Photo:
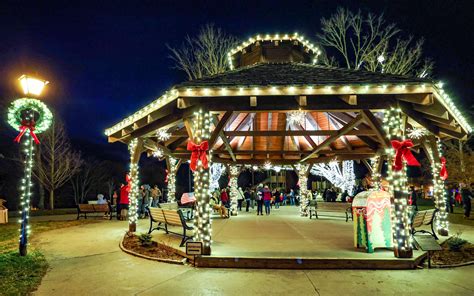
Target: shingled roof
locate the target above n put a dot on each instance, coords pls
(296, 74)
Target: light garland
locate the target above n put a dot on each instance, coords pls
(449, 104)
(172, 170)
(163, 135)
(216, 173)
(442, 224)
(234, 194)
(276, 37)
(401, 232)
(416, 133)
(18, 106)
(296, 117)
(202, 221)
(303, 180)
(376, 176)
(134, 187)
(345, 179)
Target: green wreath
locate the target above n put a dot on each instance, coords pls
(17, 107)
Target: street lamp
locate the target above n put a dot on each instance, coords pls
(29, 117)
(32, 86)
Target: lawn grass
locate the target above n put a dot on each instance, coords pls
(22, 275)
(457, 217)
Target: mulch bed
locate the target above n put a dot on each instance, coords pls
(448, 257)
(156, 250)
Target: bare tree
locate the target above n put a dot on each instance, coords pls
(459, 162)
(368, 42)
(57, 162)
(205, 54)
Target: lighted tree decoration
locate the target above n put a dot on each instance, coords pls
(345, 179)
(30, 117)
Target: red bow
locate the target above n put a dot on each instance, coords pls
(443, 172)
(403, 151)
(27, 125)
(199, 152)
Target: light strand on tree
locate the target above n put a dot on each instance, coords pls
(25, 190)
(134, 185)
(376, 176)
(216, 173)
(401, 233)
(202, 221)
(345, 179)
(172, 170)
(442, 224)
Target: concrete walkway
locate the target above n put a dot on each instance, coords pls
(86, 260)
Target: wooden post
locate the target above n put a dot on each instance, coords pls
(172, 165)
(303, 171)
(136, 148)
(202, 221)
(234, 194)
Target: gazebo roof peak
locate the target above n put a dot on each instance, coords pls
(273, 48)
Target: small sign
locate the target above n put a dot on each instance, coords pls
(194, 248)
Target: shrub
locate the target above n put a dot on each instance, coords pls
(455, 243)
(145, 240)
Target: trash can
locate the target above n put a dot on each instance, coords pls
(372, 220)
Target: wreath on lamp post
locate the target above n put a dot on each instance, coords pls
(29, 114)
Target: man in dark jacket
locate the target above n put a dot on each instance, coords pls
(466, 196)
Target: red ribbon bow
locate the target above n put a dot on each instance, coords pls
(403, 151)
(199, 152)
(27, 125)
(443, 172)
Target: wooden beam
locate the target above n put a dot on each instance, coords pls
(290, 152)
(189, 128)
(349, 99)
(291, 161)
(215, 133)
(375, 125)
(421, 99)
(282, 133)
(302, 101)
(435, 109)
(418, 118)
(224, 138)
(353, 123)
(253, 101)
(153, 145)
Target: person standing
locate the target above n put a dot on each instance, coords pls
(267, 199)
(277, 199)
(466, 196)
(248, 198)
(155, 195)
(259, 198)
(292, 197)
(124, 191)
(225, 198)
(240, 199)
(448, 195)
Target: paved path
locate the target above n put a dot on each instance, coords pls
(86, 260)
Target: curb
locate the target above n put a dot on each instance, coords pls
(453, 265)
(179, 262)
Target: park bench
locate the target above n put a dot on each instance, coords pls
(424, 218)
(316, 208)
(167, 218)
(84, 209)
(187, 210)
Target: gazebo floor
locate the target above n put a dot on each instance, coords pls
(286, 240)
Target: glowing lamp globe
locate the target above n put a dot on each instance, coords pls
(32, 86)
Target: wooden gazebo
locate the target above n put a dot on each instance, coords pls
(278, 106)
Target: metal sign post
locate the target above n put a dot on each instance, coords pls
(195, 249)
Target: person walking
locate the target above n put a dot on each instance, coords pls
(466, 196)
(259, 198)
(412, 198)
(277, 199)
(124, 191)
(448, 195)
(225, 198)
(248, 198)
(267, 199)
(292, 197)
(240, 199)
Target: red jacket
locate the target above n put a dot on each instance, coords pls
(124, 191)
(267, 195)
(224, 197)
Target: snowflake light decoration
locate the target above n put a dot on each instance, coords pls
(297, 117)
(267, 165)
(163, 134)
(158, 153)
(416, 133)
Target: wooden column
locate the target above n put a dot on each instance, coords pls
(234, 171)
(136, 148)
(401, 232)
(202, 218)
(303, 171)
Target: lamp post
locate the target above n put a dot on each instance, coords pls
(29, 116)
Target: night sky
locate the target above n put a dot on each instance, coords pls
(106, 59)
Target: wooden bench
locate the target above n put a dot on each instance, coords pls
(424, 218)
(84, 209)
(168, 218)
(316, 208)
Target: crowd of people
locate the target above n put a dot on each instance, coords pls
(461, 196)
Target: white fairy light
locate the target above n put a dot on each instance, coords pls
(345, 179)
(267, 165)
(158, 153)
(216, 173)
(163, 135)
(296, 117)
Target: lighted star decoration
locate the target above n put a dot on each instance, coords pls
(158, 153)
(297, 117)
(416, 133)
(163, 135)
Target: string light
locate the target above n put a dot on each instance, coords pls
(303, 180)
(416, 133)
(216, 172)
(134, 190)
(173, 168)
(345, 179)
(267, 166)
(296, 117)
(158, 153)
(234, 194)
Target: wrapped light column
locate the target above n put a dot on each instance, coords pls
(134, 149)
(172, 169)
(377, 162)
(303, 180)
(25, 196)
(202, 221)
(234, 194)
(402, 239)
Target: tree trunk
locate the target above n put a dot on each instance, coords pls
(51, 200)
(41, 196)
